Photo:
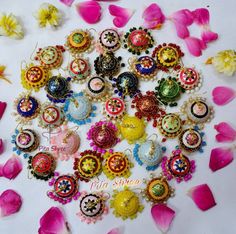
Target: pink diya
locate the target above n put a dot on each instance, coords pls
(66, 143)
(103, 135)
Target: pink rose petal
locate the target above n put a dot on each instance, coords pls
(194, 46)
(3, 106)
(209, 36)
(115, 231)
(225, 132)
(202, 197)
(1, 146)
(184, 17)
(12, 168)
(162, 216)
(220, 158)
(90, 11)
(67, 2)
(201, 16)
(223, 95)
(53, 222)
(122, 15)
(10, 203)
(153, 16)
(182, 30)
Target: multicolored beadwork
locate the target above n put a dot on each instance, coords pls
(108, 65)
(126, 204)
(144, 67)
(138, 40)
(50, 57)
(167, 56)
(178, 166)
(168, 91)
(126, 84)
(114, 108)
(58, 89)
(78, 109)
(51, 116)
(88, 165)
(25, 141)
(147, 106)
(65, 188)
(103, 136)
(79, 41)
(116, 164)
(42, 166)
(170, 125)
(79, 69)
(92, 207)
(34, 77)
(157, 190)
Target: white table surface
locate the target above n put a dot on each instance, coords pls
(189, 219)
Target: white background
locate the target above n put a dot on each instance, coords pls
(189, 219)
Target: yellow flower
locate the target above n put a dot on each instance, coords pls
(2, 75)
(10, 26)
(224, 62)
(48, 15)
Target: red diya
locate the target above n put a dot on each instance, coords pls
(103, 135)
(167, 56)
(42, 165)
(147, 106)
(50, 57)
(88, 165)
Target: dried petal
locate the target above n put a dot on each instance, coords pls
(12, 168)
(220, 158)
(10, 203)
(184, 17)
(195, 46)
(182, 30)
(3, 106)
(115, 231)
(223, 95)
(90, 11)
(209, 36)
(162, 216)
(226, 132)
(201, 16)
(122, 15)
(202, 197)
(53, 222)
(67, 2)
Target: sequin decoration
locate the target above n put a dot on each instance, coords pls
(168, 91)
(138, 40)
(147, 106)
(65, 188)
(58, 89)
(92, 207)
(67, 142)
(42, 166)
(51, 116)
(178, 166)
(126, 84)
(88, 165)
(170, 125)
(97, 89)
(116, 164)
(126, 204)
(50, 57)
(25, 141)
(132, 129)
(79, 69)
(108, 65)
(144, 67)
(103, 136)
(79, 41)
(27, 108)
(167, 56)
(114, 108)
(79, 110)
(157, 190)
(34, 77)
(109, 40)
(197, 111)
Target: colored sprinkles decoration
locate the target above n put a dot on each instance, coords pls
(103, 136)
(88, 165)
(138, 40)
(147, 106)
(92, 207)
(65, 188)
(178, 166)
